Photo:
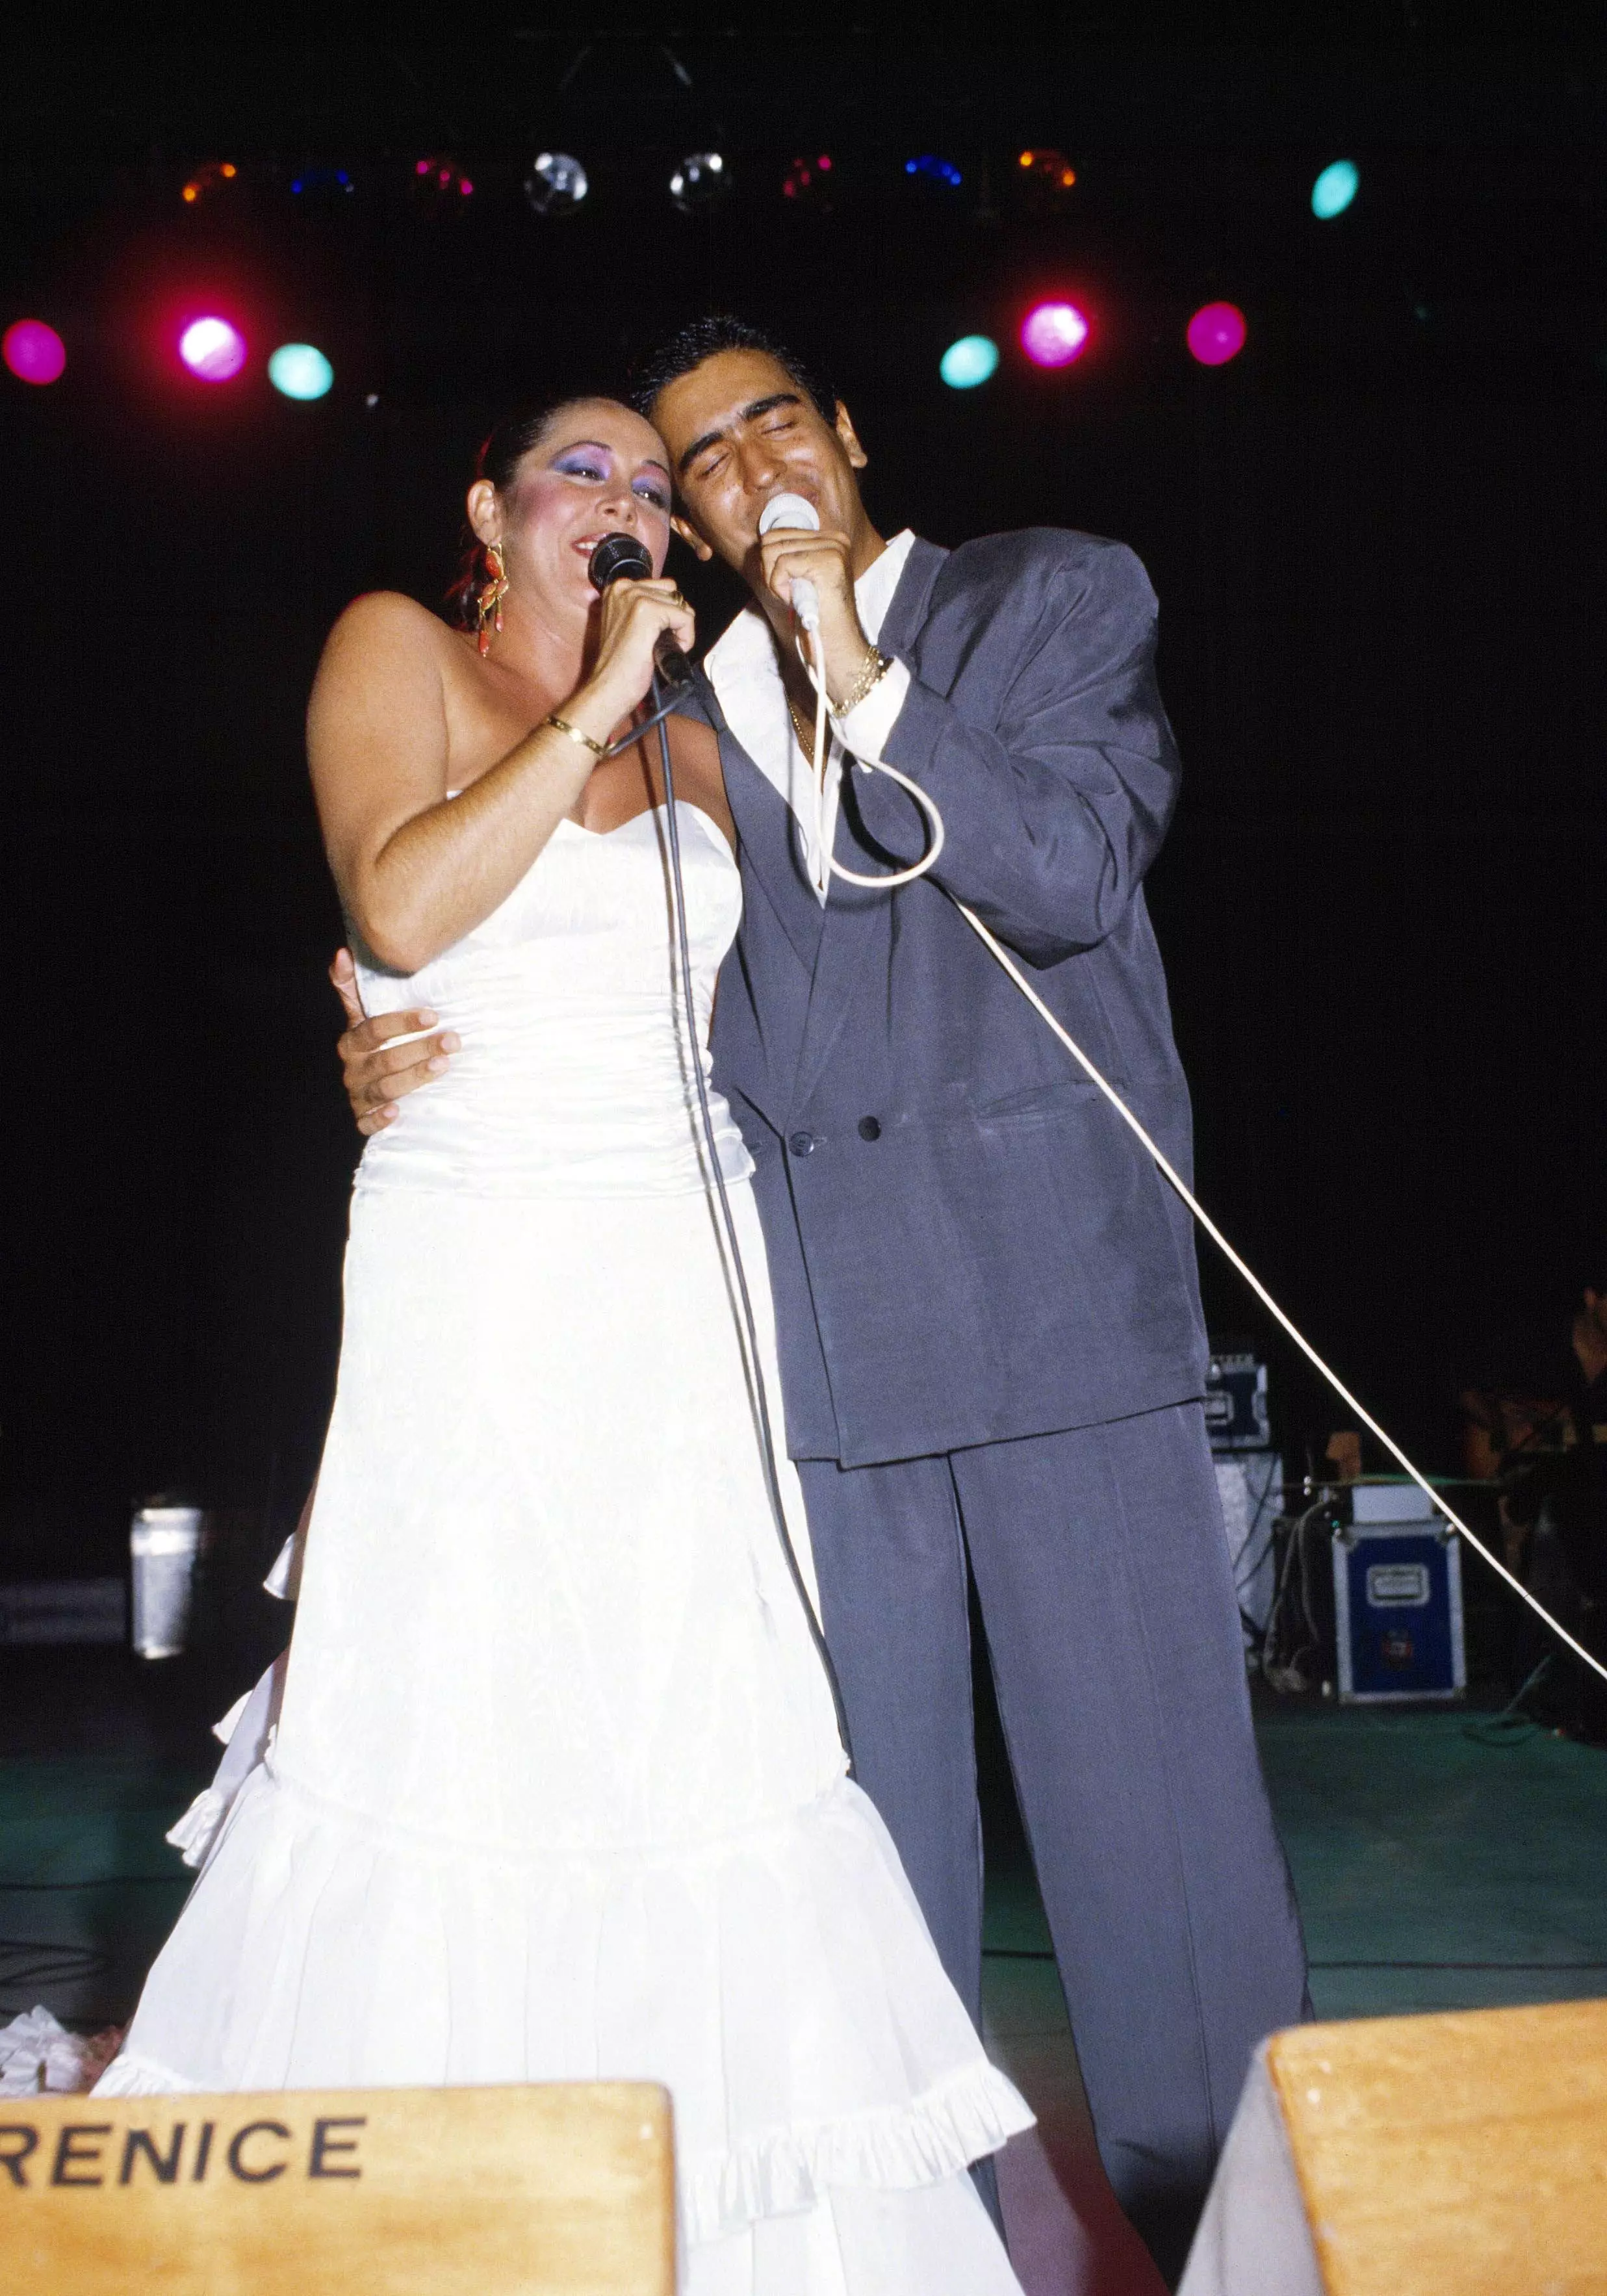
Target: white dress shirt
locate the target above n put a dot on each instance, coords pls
(744, 668)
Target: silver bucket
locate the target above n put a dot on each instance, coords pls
(165, 1543)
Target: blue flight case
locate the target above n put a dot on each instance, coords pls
(1397, 1599)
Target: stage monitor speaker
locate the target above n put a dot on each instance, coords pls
(1236, 1413)
(557, 2190)
(1456, 2155)
(1397, 1600)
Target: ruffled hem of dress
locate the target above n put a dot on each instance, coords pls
(248, 1732)
(197, 1829)
(932, 2137)
(779, 1982)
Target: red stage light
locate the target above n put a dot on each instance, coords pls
(34, 352)
(1215, 333)
(213, 350)
(1052, 334)
(800, 178)
(442, 175)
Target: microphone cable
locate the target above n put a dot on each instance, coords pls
(797, 513)
(748, 1335)
(624, 556)
(1169, 1172)
(825, 865)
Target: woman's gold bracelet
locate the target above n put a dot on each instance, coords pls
(875, 668)
(597, 749)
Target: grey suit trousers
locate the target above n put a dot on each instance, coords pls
(1112, 1628)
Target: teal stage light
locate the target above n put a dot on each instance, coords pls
(299, 371)
(1335, 189)
(970, 361)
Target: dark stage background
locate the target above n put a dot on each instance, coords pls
(1376, 536)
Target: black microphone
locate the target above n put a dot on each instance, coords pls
(622, 557)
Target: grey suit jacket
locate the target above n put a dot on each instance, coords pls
(966, 1244)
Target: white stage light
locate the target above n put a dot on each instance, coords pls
(556, 184)
(701, 180)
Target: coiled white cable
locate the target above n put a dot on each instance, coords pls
(828, 861)
(794, 512)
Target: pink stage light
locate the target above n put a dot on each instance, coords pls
(34, 352)
(212, 349)
(1052, 334)
(1215, 333)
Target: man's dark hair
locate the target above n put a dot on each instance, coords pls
(704, 339)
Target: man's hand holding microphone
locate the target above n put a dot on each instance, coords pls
(810, 568)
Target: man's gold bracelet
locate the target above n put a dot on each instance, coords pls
(877, 666)
(563, 726)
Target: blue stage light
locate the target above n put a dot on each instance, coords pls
(299, 371)
(939, 171)
(970, 361)
(1335, 189)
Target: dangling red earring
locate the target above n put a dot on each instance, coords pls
(487, 601)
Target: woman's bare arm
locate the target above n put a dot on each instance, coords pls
(414, 872)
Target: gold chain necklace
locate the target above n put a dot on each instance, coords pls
(804, 729)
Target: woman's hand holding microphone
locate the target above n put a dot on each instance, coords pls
(634, 616)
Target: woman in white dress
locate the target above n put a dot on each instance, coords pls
(556, 1791)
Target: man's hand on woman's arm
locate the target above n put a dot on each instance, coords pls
(380, 1071)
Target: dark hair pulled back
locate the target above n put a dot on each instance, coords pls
(498, 460)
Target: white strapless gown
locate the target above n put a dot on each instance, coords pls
(555, 1791)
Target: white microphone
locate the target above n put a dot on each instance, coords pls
(793, 510)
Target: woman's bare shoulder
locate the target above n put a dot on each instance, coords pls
(385, 651)
(388, 618)
(384, 666)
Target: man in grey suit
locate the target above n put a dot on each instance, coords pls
(987, 1303)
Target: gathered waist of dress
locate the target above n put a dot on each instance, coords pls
(579, 1096)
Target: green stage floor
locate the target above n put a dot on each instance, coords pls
(89, 1888)
(1434, 1872)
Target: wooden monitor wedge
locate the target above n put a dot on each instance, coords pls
(559, 2190)
(1454, 2155)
